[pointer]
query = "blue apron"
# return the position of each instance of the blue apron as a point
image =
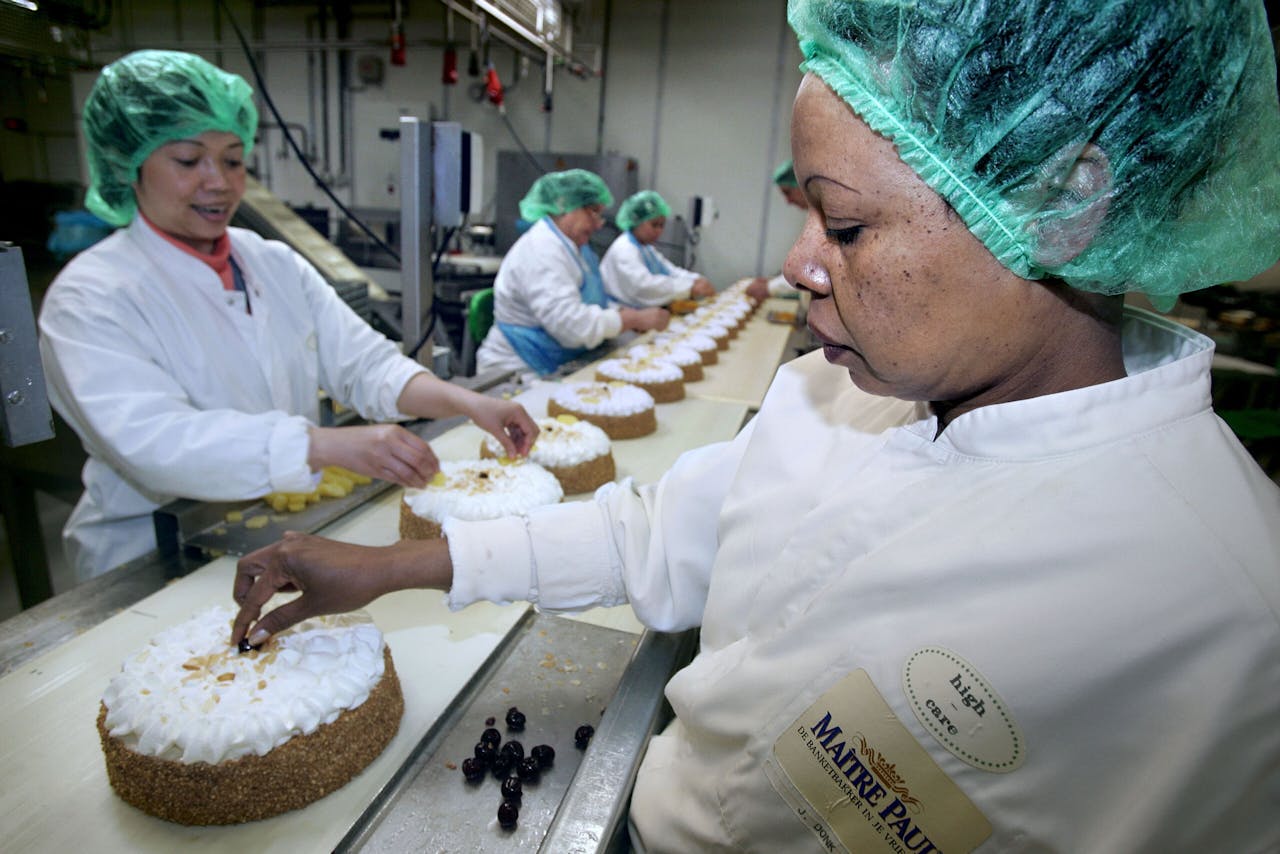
(534, 344)
(652, 260)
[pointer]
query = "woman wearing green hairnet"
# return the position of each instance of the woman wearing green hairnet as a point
(986, 573)
(187, 354)
(549, 303)
(635, 273)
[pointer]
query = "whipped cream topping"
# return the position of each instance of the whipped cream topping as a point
(562, 441)
(604, 398)
(695, 341)
(484, 489)
(190, 696)
(668, 351)
(640, 370)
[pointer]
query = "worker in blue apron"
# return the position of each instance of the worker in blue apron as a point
(550, 304)
(635, 273)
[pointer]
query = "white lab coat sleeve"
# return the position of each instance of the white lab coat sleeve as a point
(652, 546)
(134, 416)
(359, 367)
(628, 280)
(551, 284)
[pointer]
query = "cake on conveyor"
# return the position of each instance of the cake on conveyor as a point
(198, 733)
(687, 359)
(577, 452)
(704, 345)
(663, 380)
(476, 489)
(621, 410)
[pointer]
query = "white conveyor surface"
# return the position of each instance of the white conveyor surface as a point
(54, 794)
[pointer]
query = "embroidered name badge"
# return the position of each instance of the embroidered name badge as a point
(962, 711)
(861, 782)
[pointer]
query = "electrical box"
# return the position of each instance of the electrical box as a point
(702, 211)
(457, 166)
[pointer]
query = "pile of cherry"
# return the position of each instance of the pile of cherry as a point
(509, 764)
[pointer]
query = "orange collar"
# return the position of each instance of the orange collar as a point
(219, 260)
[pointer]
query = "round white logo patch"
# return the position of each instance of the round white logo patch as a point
(962, 711)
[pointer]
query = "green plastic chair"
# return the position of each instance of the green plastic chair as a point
(479, 318)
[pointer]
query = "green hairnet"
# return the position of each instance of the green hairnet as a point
(642, 207)
(560, 192)
(991, 101)
(148, 98)
(785, 174)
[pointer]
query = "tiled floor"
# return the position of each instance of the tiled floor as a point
(53, 515)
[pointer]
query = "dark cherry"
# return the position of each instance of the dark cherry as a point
(491, 736)
(582, 735)
(545, 754)
(508, 814)
(502, 765)
(528, 769)
(512, 788)
(489, 721)
(485, 753)
(515, 719)
(513, 748)
(472, 770)
(245, 646)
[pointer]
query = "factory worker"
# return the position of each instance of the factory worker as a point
(187, 355)
(1023, 591)
(635, 273)
(549, 303)
(784, 178)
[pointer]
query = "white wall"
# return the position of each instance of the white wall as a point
(716, 119)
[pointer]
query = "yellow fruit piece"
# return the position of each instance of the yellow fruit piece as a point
(331, 490)
(508, 461)
(235, 516)
(438, 479)
(566, 418)
(278, 501)
(256, 522)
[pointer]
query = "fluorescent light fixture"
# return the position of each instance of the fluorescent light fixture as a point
(29, 5)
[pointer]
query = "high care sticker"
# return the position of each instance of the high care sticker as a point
(860, 781)
(962, 711)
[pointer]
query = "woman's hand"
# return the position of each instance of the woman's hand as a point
(333, 577)
(507, 420)
(758, 290)
(644, 319)
(702, 289)
(386, 451)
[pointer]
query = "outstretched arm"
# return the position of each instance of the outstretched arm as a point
(333, 578)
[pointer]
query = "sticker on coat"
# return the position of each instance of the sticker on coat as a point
(859, 780)
(958, 706)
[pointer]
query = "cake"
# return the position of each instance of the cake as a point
(621, 410)
(474, 490)
(195, 732)
(576, 452)
(663, 380)
(704, 345)
(687, 359)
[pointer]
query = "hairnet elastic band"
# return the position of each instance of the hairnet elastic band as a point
(884, 122)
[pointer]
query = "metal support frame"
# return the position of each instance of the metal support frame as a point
(24, 403)
(416, 244)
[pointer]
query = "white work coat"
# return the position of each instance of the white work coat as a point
(538, 285)
(629, 281)
(176, 391)
(1105, 560)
